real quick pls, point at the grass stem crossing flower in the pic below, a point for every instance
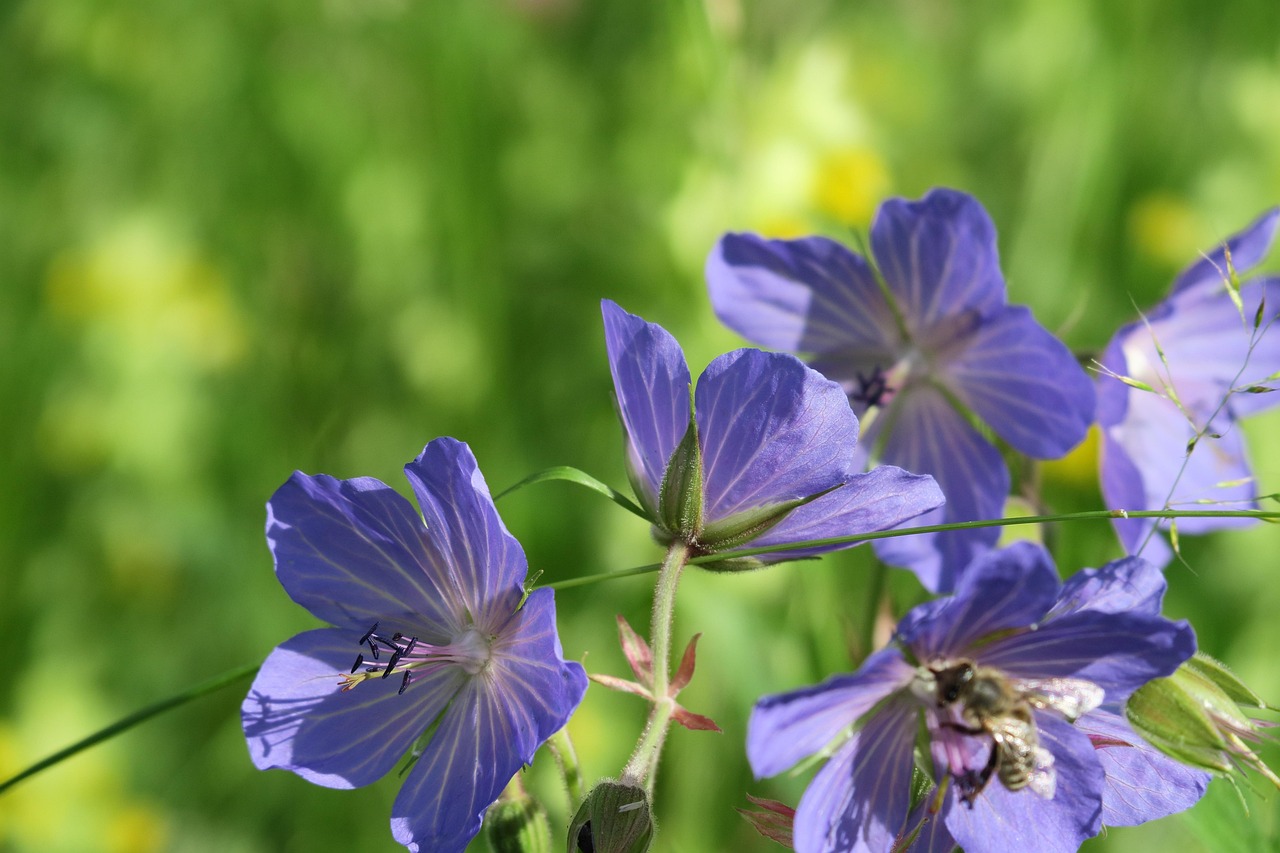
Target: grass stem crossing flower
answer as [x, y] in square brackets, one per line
[1012, 685]
[924, 345]
[763, 454]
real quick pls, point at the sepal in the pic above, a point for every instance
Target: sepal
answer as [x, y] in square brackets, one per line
[680, 498]
[614, 818]
[742, 527]
[1195, 716]
[775, 821]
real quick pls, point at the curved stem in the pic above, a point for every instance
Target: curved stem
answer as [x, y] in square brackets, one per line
[642, 768]
[126, 723]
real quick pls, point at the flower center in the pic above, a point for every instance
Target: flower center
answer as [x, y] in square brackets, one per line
[408, 657]
[873, 388]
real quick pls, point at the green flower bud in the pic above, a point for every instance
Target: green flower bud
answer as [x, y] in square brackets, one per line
[614, 818]
[1195, 717]
[680, 498]
[518, 826]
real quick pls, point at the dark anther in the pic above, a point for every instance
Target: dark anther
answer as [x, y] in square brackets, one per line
[373, 669]
[373, 647]
[356, 665]
[872, 388]
[369, 634]
[413, 641]
[397, 637]
[391, 664]
[404, 683]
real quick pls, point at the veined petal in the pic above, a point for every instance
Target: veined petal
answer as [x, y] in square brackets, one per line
[883, 498]
[1142, 783]
[1128, 585]
[1247, 249]
[1122, 488]
[296, 718]
[529, 671]
[1023, 382]
[787, 727]
[808, 295]
[474, 559]
[938, 257]
[1002, 820]
[1207, 346]
[1154, 436]
[1119, 652]
[651, 380]
[353, 552]
[492, 728]
[771, 430]
[928, 436]
[1005, 589]
[860, 800]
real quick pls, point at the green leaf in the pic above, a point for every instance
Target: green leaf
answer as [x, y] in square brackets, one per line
[581, 478]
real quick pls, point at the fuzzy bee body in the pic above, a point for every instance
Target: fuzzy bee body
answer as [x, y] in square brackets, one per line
[1002, 708]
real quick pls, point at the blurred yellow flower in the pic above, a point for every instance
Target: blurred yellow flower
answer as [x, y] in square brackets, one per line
[849, 183]
[1162, 226]
[1078, 468]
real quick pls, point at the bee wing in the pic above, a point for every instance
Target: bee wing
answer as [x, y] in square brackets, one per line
[1043, 779]
[1070, 697]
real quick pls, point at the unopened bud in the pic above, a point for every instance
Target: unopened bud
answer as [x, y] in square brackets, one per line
[680, 498]
[1195, 716]
[518, 826]
[614, 818]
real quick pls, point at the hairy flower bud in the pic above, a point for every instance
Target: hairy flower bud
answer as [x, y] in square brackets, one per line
[614, 818]
[1196, 716]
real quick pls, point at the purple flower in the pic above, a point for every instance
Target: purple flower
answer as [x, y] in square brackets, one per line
[922, 342]
[767, 457]
[998, 672]
[432, 616]
[1215, 364]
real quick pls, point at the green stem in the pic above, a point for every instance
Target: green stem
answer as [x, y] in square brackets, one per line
[566, 756]
[856, 538]
[132, 720]
[643, 766]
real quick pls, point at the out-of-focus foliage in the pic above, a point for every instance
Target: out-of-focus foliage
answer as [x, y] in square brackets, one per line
[241, 238]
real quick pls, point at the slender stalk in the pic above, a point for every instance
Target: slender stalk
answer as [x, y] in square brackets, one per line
[126, 723]
[854, 539]
[642, 768]
[561, 746]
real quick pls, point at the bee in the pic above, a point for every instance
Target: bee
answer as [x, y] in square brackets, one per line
[1002, 708]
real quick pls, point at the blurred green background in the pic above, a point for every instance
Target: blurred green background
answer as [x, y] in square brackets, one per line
[243, 238]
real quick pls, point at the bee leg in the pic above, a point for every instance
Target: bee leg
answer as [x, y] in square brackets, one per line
[973, 783]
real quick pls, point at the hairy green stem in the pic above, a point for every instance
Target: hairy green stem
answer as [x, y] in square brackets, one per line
[642, 768]
[126, 723]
